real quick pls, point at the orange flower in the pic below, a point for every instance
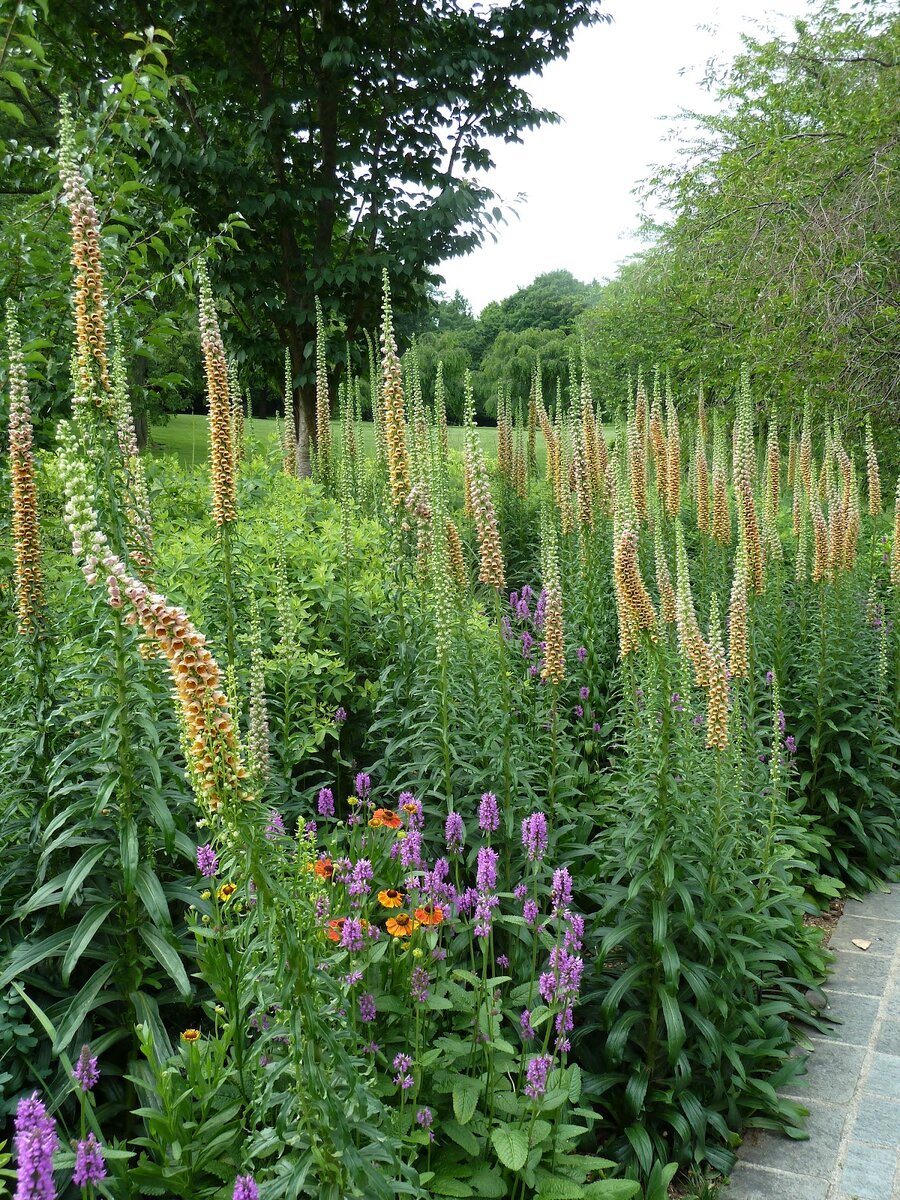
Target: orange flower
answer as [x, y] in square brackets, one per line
[390, 899]
[335, 929]
[191, 1035]
[384, 818]
[429, 915]
[226, 891]
[324, 868]
[401, 926]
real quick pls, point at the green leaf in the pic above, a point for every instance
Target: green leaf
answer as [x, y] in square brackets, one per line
[168, 958]
[611, 1189]
[84, 934]
[511, 1146]
[79, 873]
[443, 1185]
[81, 1005]
[463, 1137]
[465, 1100]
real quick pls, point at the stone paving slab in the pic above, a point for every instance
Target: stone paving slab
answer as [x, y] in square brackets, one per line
[852, 1082]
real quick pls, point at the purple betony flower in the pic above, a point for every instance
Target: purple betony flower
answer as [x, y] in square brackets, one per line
[581, 652]
[584, 692]
[534, 836]
[486, 871]
[275, 825]
[360, 876]
[340, 716]
[502, 961]
[488, 813]
[363, 785]
[520, 891]
[411, 849]
[578, 711]
[352, 935]
[484, 907]
[454, 833]
[86, 1072]
[536, 1076]
[207, 861]
[418, 984]
[367, 1009]
[770, 678]
[326, 802]
[245, 1188]
[35, 1142]
[525, 1022]
[790, 744]
[89, 1165]
[412, 808]
[781, 721]
[424, 1117]
[530, 912]
[561, 891]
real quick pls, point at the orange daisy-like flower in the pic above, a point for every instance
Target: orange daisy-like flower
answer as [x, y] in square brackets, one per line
[191, 1035]
[335, 929]
[390, 898]
[401, 926]
[384, 818]
[430, 914]
[324, 868]
[226, 891]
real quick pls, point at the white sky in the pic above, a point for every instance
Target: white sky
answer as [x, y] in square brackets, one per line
[615, 93]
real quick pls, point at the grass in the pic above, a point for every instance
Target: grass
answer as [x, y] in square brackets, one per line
[187, 436]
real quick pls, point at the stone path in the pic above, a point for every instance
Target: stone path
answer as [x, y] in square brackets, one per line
[852, 1084]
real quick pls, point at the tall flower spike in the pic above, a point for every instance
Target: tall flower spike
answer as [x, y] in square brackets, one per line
[743, 486]
[773, 489]
[874, 476]
[323, 402]
[717, 704]
[29, 576]
[792, 456]
[634, 597]
[394, 406]
[220, 449]
[721, 519]
[554, 667]
[693, 647]
[806, 473]
[895, 552]
[210, 738]
[737, 617]
[701, 482]
[673, 456]
[491, 550]
[658, 445]
[289, 433]
[638, 473]
[93, 383]
[663, 578]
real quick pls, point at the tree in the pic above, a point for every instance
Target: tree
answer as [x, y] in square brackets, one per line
[352, 135]
[783, 247]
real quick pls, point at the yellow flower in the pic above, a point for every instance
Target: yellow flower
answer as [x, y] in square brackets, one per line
[226, 891]
[191, 1035]
[390, 898]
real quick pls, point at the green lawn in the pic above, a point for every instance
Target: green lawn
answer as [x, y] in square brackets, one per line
[187, 436]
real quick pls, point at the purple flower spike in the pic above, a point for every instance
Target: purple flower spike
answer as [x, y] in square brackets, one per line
[89, 1165]
[454, 833]
[245, 1188]
[790, 744]
[340, 716]
[86, 1072]
[363, 785]
[418, 985]
[534, 836]
[35, 1143]
[488, 813]
[582, 653]
[207, 861]
[275, 825]
[536, 1076]
[486, 872]
[326, 802]
[562, 889]
[367, 1009]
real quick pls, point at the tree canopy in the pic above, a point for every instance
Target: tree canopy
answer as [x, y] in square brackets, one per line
[351, 135]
